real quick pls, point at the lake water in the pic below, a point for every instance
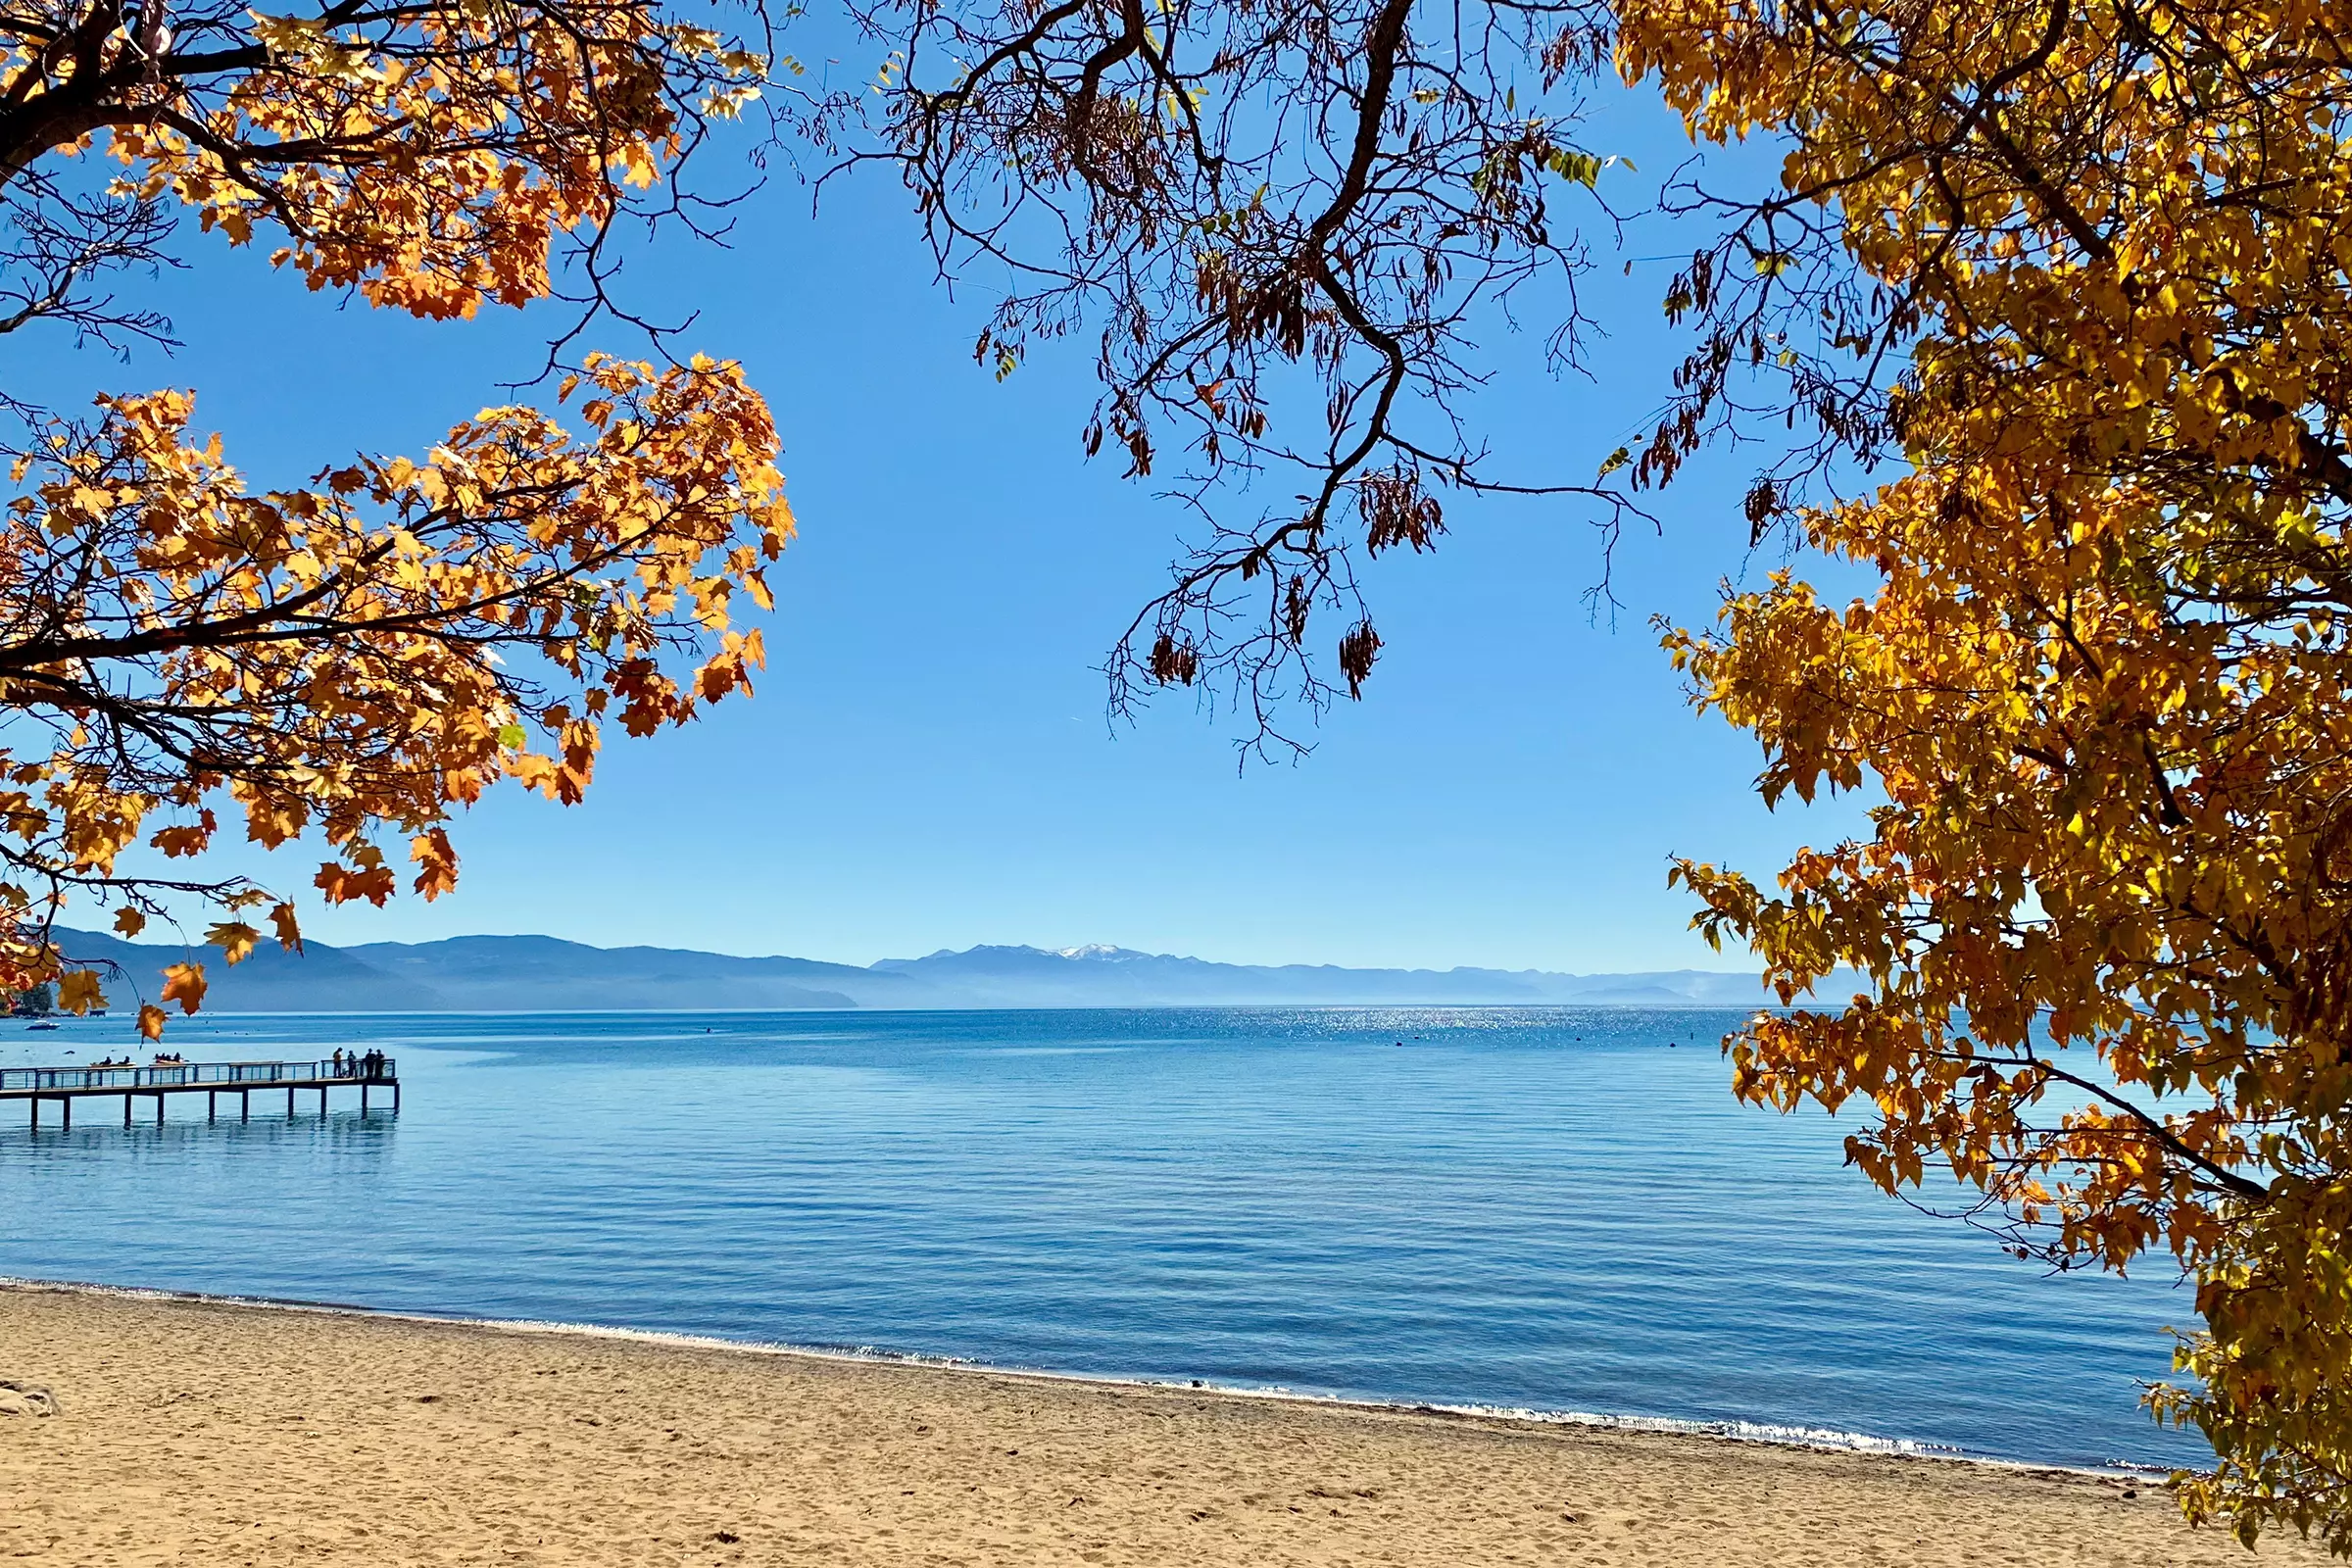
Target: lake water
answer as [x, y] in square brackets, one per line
[1552, 1210]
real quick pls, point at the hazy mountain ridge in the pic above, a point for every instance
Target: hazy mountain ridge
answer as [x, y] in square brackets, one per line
[495, 975]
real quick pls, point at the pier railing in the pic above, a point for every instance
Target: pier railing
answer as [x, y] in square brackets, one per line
[197, 1075]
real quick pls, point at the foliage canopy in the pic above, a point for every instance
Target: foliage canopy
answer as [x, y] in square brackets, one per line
[360, 655]
[2104, 686]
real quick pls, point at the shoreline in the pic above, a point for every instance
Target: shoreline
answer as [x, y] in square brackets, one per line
[1766, 1435]
[191, 1430]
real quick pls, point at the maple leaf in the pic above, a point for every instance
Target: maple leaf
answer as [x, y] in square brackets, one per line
[184, 984]
[181, 842]
[77, 990]
[432, 851]
[342, 884]
[235, 939]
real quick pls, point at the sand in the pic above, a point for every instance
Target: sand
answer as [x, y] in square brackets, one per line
[197, 1432]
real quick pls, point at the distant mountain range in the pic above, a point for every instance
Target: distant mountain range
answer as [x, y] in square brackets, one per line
[499, 974]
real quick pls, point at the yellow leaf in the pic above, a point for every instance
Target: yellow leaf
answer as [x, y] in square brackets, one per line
[234, 938]
[78, 992]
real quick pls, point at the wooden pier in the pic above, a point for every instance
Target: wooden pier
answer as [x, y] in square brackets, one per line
[214, 1079]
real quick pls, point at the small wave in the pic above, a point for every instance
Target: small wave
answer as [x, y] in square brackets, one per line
[1799, 1437]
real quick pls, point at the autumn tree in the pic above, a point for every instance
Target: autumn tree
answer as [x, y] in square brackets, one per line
[184, 654]
[2057, 292]
[2086, 270]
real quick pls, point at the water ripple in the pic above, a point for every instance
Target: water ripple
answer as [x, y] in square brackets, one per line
[1556, 1211]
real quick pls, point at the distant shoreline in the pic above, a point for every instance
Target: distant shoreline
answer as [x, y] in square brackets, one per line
[120, 1015]
[533, 974]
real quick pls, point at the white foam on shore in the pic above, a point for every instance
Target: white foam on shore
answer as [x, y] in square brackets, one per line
[1765, 1433]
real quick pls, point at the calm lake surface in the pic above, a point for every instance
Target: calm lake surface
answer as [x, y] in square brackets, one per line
[1555, 1211]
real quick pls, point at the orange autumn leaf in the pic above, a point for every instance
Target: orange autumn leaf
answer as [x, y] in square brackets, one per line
[184, 984]
[151, 1020]
[432, 851]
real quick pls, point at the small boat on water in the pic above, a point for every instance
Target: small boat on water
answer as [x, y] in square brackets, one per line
[32, 1026]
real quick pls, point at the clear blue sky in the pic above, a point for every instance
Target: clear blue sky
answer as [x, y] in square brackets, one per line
[928, 763]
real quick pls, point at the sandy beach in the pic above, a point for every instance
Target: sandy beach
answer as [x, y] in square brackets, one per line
[196, 1432]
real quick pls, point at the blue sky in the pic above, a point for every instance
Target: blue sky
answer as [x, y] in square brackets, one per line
[928, 763]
